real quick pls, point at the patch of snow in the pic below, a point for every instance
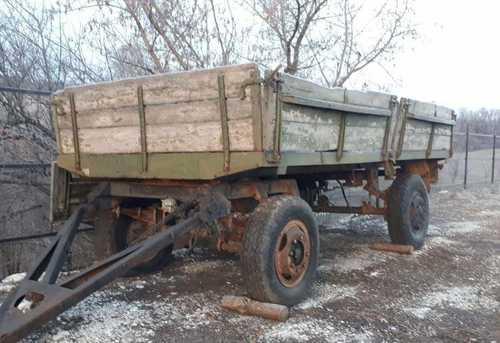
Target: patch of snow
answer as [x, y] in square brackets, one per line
[312, 329]
[358, 260]
[14, 278]
[466, 298]
[440, 241]
[326, 293]
[489, 213]
[201, 266]
[106, 317]
[463, 227]
[10, 282]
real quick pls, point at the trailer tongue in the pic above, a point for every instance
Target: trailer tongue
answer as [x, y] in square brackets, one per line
[47, 298]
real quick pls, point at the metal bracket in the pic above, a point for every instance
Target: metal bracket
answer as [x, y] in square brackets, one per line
[142, 123]
[341, 138]
[74, 126]
[223, 121]
[404, 107]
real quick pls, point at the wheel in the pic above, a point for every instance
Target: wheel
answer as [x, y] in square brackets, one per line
[408, 217]
[280, 251]
[115, 234]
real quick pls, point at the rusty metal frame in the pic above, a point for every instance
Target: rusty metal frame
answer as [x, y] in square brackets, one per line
[142, 123]
[49, 298]
[371, 176]
[224, 121]
[74, 127]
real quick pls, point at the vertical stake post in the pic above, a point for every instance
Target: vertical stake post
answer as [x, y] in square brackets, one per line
[466, 156]
[493, 157]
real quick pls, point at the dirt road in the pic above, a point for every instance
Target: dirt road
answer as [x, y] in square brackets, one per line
[449, 291]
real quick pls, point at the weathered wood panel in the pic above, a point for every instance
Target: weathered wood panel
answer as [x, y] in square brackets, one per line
[186, 137]
[364, 133]
[158, 89]
[429, 109]
[303, 88]
[309, 129]
[173, 113]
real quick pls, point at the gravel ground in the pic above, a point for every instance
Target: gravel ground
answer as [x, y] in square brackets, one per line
[448, 291]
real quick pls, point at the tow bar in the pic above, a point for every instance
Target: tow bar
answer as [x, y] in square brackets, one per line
[46, 298]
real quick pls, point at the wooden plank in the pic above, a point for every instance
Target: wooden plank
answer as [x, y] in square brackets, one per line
[162, 138]
[309, 136]
[187, 112]
[158, 89]
[335, 106]
[364, 133]
[309, 129]
[297, 87]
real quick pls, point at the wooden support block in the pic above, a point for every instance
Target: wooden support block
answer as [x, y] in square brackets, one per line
[397, 248]
[247, 306]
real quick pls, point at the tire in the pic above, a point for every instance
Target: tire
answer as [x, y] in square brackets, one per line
[281, 232]
[111, 238]
[408, 217]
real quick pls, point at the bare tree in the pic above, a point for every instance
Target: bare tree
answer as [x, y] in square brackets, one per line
[336, 39]
[290, 22]
[138, 37]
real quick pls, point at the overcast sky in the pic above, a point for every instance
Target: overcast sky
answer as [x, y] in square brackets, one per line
[457, 61]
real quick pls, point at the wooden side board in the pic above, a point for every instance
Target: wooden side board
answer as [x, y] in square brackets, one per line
[182, 131]
[182, 113]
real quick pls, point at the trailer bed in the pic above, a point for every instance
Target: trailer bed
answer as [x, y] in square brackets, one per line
[206, 124]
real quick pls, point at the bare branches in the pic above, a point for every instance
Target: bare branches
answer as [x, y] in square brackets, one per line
[290, 22]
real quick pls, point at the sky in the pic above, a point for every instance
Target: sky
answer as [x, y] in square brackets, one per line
[456, 62]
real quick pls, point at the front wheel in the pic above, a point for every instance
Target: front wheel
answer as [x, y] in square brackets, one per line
[280, 251]
[408, 217]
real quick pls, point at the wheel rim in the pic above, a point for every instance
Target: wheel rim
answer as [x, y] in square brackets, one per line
[418, 213]
[292, 253]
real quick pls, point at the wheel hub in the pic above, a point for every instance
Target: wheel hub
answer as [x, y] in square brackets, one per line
[417, 213]
[292, 253]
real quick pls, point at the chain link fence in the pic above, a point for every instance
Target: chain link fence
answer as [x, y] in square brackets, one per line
[474, 161]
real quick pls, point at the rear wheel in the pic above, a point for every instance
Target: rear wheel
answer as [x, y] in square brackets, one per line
[116, 234]
[408, 218]
[280, 251]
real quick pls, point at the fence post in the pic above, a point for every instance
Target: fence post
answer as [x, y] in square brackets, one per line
[493, 158]
[466, 156]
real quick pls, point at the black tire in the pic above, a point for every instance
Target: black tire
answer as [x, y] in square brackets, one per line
[408, 217]
[111, 238]
[260, 244]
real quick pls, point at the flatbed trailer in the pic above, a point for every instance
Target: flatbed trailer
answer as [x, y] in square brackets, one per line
[226, 156]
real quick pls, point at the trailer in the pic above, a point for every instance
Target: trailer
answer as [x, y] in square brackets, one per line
[232, 158]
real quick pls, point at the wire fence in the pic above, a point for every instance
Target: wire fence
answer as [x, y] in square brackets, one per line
[474, 161]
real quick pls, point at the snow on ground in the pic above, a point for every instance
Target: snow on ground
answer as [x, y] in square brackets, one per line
[467, 298]
[326, 293]
[10, 282]
[446, 291]
[310, 329]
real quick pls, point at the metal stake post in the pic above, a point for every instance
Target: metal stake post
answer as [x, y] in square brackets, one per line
[493, 158]
[466, 156]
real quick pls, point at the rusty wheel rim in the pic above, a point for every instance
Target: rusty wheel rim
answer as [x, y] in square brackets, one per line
[292, 253]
